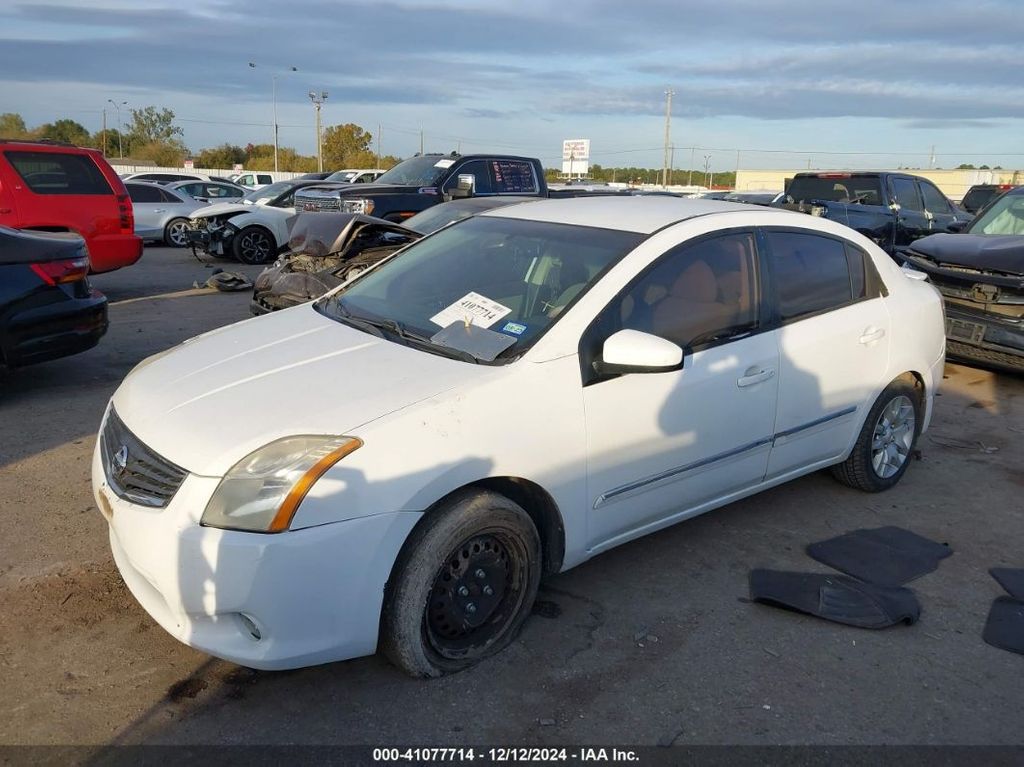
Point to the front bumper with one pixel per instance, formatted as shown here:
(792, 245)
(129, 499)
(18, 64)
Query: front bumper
(313, 595)
(214, 243)
(977, 334)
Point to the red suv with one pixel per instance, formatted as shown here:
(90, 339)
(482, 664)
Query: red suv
(56, 187)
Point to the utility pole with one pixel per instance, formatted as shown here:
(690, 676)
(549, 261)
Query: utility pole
(104, 134)
(931, 158)
(318, 99)
(421, 141)
(671, 162)
(707, 165)
(689, 173)
(668, 123)
(273, 91)
(378, 145)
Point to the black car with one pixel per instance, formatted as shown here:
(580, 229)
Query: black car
(980, 195)
(980, 274)
(47, 309)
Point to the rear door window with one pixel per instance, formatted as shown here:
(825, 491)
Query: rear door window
(934, 200)
(59, 173)
(811, 273)
(905, 192)
(264, 179)
(144, 193)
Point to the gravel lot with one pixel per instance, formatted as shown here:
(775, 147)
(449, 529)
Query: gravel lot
(652, 643)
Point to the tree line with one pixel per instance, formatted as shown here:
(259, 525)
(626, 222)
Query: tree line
(150, 136)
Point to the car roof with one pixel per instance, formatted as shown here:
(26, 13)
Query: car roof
(644, 214)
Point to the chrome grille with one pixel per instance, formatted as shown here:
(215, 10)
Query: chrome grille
(134, 472)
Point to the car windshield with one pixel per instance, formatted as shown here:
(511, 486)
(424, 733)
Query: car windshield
(342, 175)
(1004, 216)
(486, 287)
(268, 192)
(417, 171)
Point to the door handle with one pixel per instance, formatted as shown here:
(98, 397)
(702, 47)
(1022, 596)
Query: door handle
(159, 210)
(754, 375)
(871, 335)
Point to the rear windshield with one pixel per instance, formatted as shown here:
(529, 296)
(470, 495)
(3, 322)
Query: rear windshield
(857, 189)
(976, 197)
(58, 173)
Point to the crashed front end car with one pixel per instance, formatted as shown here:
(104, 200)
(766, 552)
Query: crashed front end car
(981, 278)
(252, 234)
(325, 250)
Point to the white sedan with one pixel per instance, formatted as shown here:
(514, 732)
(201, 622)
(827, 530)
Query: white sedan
(503, 399)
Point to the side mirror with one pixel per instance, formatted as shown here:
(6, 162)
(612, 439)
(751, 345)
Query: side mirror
(632, 351)
(464, 186)
(956, 226)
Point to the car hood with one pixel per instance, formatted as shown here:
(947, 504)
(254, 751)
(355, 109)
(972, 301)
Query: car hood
(221, 209)
(211, 401)
(991, 252)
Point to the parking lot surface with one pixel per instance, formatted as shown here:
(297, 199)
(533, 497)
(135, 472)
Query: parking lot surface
(651, 643)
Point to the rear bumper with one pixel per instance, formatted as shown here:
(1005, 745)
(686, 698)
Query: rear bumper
(113, 251)
(55, 330)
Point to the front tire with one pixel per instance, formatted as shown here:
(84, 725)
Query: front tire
(254, 245)
(176, 232)
(886, 441)
(463, 585)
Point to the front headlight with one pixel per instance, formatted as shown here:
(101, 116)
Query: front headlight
(361, 205)
(262, 492)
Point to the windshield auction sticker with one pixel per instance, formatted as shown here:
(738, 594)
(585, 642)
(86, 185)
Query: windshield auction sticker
(472, 309)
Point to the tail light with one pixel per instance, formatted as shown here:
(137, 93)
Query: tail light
(63, 271)
(124, 209)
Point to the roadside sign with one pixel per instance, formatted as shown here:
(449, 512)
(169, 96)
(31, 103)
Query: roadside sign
(576, 156)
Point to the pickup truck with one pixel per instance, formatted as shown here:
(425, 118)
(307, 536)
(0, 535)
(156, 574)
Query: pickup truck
(892, 209)
(426, 180)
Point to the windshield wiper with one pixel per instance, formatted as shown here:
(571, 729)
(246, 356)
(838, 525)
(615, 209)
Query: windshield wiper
(394, 328)
(359, 323)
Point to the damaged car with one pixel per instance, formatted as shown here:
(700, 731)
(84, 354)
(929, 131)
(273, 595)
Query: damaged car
(252, 230)
(980, 274)
(325, 250)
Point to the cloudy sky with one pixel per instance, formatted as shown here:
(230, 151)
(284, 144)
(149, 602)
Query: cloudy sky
(787, 83)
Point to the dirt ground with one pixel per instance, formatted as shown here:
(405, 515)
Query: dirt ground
(652, 643)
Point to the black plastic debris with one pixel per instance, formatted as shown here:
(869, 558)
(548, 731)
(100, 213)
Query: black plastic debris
(836, 598)
(1005, 625)
(885, 556)
(1011, 580)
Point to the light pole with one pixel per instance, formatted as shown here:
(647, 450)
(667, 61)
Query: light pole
(273, 90)
(668, 123)
(318, 99)
(707, 165)
(117, 106)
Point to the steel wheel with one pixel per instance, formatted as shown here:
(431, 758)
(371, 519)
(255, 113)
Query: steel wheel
(176, 233)
(254, 245)
(477, 590)
(462, 586)
(893, 437)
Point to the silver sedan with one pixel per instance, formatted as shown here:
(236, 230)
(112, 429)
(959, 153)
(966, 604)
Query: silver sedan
(161, 213)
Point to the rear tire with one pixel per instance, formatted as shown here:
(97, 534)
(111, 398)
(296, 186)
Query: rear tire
(886, 442)
(176, 232)
(254, 245)
(463, 585)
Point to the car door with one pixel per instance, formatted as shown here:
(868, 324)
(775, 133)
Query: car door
(911, 220)
(148, 205)
(941, 214)
(661, 446)
(834, 333)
